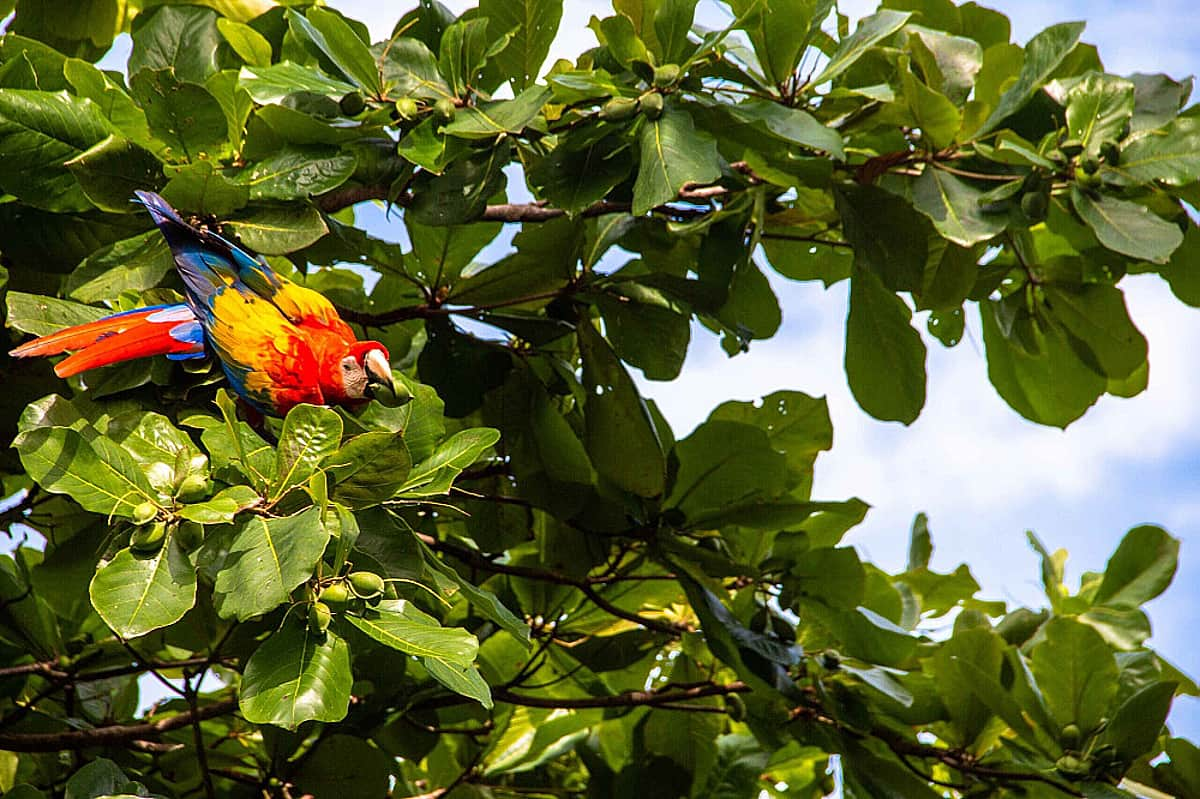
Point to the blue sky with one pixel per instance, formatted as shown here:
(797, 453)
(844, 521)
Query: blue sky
(982, 473)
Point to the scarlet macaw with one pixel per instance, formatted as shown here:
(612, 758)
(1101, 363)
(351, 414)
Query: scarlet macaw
(278, 343)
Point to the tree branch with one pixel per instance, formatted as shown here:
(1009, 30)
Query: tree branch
(477, 560)
(49, 668)
(665, 700)
(108, 736)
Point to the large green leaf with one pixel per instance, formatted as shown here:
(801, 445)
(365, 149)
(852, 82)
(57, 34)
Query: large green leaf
(182, 39)
(490, 120)
(788, 124)
(953, 206)
(411, 70)
(310, 433)
(1095, 317)
(1098, 107)
(574, 177)
(297, 676)
(41, 316)
(136, 593)
(465, 680)
(268, 557)
(885, 357)
(533, 23)
(184, 115)
(1128, 227)
(621, 437)
(1141, 568)
(336, 39)
(112, 170)
(368, 468)
(63, 461)
(722, 465)
(39, 133)
(435, 474)
(1170, 154)
(294, 172)
(1043, 54)
(672, 153)
(270, 84)
(1076, 673)
(870, 31)
(399, 624)
(281, 229)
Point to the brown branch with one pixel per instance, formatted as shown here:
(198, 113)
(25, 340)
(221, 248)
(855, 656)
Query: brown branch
(665, 700)
(49, 669)
(479, 561)
(115, 734)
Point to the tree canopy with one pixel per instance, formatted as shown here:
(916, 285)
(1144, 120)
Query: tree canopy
(523, 581)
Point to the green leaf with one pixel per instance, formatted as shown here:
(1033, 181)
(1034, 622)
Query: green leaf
(461, 193)
(465, 680)
(435, 474)
(689, 740)
(534, 24)
(399, 624)
(184, 115)
(1098, 107)
(885, 357)
(1034, 368)
(136, 593)
(101, 776)
(279, 230)
(870, 31)
(297, 676)
(310, 433)
(109, 173)
(250, 45)
(1135, 727)
(953, 206)
(268, 557)
(222, 508)
(199, 187)
(137, 263)
(1043, 54)
(723, 465)
(920, 545)
(179, 39)
(110, 95)
(787, 124)
(1170, 154)
(647, 331)
(63, 461)
(1075, 672)
(620, 436)
(482, 600)
(271, 84)
(39, 133)
(336, 39)
(294, 172)
(673, 153)
(165, 453)
(1141, 568)
(368, 468)
(345, 766)
(1094, 315)
(889, 238)
(41, 316)
(411, 70)
(465, 49)
(1127, 227)
(573, 177)
(938, 118)
(490, 120)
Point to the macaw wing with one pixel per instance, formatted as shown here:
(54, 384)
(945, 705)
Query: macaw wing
(265, 356)
(170, 330)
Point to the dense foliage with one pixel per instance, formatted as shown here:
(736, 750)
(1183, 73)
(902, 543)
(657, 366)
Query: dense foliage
(521, 582)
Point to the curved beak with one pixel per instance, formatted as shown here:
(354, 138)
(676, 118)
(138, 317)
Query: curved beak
(379, 371)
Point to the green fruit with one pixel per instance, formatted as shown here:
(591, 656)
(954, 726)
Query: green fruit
(1070, 736)
(1111, 153)
(445, 109)
(352, 104)
(735, 708)
(1032, 182)
(189, 535)
(319, 617)
(194, 488)
(1089, 165)
(618, 109)
(406, 108)
(145, 513)
(1072, 767)
(1071, 147)
(336, 595)
(148, 537)
(830, 660)
(1035, 205)
(666, 75)
(652, 105)
(366, 584)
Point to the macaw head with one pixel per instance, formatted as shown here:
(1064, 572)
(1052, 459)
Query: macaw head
(365, 369)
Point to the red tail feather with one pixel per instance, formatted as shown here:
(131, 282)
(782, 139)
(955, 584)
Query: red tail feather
(113, 339)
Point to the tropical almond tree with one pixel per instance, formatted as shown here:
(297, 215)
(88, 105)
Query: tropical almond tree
(523, 581)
